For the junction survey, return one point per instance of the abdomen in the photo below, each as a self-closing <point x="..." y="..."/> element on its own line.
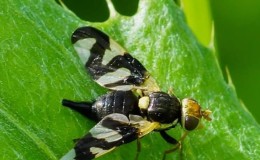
<point x="124" y="102"/>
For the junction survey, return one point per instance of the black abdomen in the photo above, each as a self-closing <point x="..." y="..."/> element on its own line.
<point x="124" y="102"/>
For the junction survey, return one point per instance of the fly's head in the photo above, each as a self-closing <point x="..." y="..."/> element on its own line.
<point x="191" y="114"/>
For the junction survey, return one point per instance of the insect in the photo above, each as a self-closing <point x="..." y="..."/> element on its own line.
<point x="134" y="107"/>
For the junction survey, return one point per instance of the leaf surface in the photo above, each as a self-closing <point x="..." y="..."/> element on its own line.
<point x="39" y="68"/>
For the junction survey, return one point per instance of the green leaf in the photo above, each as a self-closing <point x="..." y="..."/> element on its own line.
<point x="199" y="19"/>
<point x="39" y="68"/>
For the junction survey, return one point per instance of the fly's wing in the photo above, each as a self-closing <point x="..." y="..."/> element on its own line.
<point x="112" y="131"/>
<point x="108" y="63"/>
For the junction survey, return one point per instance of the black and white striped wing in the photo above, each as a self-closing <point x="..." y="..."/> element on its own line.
<point x="106" y="61"/>
<point x="112" y="131"/>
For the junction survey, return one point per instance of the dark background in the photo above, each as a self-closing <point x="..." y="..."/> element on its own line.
<point x="237" y="37"/>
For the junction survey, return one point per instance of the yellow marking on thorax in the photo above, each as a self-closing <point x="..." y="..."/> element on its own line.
<point x="144" y="102"/>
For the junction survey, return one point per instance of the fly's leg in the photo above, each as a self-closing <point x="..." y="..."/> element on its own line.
<point x="138" y="149"/>
<point x="169" y="139"/>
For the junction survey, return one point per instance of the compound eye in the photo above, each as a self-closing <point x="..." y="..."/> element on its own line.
<point x="191" y="123"/>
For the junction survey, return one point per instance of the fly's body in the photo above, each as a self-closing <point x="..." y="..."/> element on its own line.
<point x="134" y="107"/>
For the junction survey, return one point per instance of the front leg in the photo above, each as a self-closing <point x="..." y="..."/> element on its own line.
<point x="168" y="138"/>
<point x="173" y="141"/>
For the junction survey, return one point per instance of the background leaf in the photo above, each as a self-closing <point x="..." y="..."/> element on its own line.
<point x="199" y="19"/>
<point x="39" y="67"/>
<point x="238" y="37"/>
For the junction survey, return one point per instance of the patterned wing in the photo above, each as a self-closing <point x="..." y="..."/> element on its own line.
<point x="107" y="62"/>
<point x="112" y="131"/>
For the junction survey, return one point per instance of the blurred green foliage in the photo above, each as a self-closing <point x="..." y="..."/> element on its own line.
<point x="237" y="26"/>
<point x="198" y="15"/>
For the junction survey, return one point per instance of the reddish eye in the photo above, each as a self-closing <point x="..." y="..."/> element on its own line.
<point x="191" y="123"/>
